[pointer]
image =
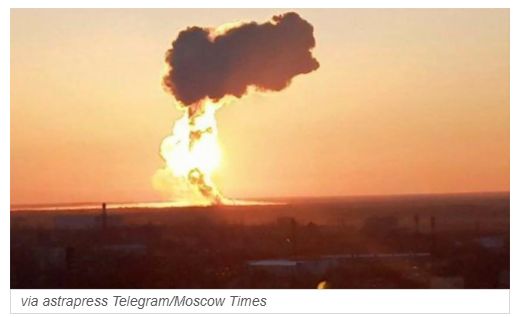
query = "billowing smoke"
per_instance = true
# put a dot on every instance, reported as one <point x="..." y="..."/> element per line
<point x="264" y="56"/>
<point x="204" y="67"/>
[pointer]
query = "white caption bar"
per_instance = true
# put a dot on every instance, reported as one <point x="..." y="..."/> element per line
<point x="260" y="301"/>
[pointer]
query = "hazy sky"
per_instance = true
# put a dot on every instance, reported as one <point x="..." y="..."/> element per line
<point x="405" y="101"/>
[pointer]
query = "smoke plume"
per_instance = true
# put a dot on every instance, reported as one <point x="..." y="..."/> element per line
<point x="264" y="56"/>
<point x="204" y="67"/>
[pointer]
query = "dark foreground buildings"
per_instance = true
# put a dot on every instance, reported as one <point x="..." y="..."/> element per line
<point x="402" y="242"/>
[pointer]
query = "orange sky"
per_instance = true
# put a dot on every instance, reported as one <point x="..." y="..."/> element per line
<point x="405" y="101"/>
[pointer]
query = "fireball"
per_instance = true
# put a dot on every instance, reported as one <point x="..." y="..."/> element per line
<point x="192" y="152"/>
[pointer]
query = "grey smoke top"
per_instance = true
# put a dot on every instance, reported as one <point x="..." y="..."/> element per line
<point x="265" y="56"/>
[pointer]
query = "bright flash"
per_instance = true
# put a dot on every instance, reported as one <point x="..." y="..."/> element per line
<point x="193" y="143"/>
<point x="192" y="152"/>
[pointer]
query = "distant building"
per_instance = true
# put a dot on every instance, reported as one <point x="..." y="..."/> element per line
<point x="84" y="222"/>
<point x="104" y="216"/>
<point x="76" y="222"/>
<point x="50" y="257"/>
<point x="322" y="264"/>
<point x="129" y="248"/>
<point x="286" y="267"/>
<point x="447" y="282"/>
<point x="287" y="222"/>
<point x="278" y="267"/>
<point x="492" y="242"/>
<point x="380" y="225"/>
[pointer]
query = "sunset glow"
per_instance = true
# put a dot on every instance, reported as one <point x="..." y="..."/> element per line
<point x="404" y="101"/>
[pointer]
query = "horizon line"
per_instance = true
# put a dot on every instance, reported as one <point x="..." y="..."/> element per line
<point x="275" y="198"/>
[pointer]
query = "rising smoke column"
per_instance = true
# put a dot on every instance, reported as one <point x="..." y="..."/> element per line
<point x="205" y="66"/>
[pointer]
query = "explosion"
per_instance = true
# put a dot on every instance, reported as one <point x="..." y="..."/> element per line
<point x="207" y="65"/>
<point x="192" y="152"/>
